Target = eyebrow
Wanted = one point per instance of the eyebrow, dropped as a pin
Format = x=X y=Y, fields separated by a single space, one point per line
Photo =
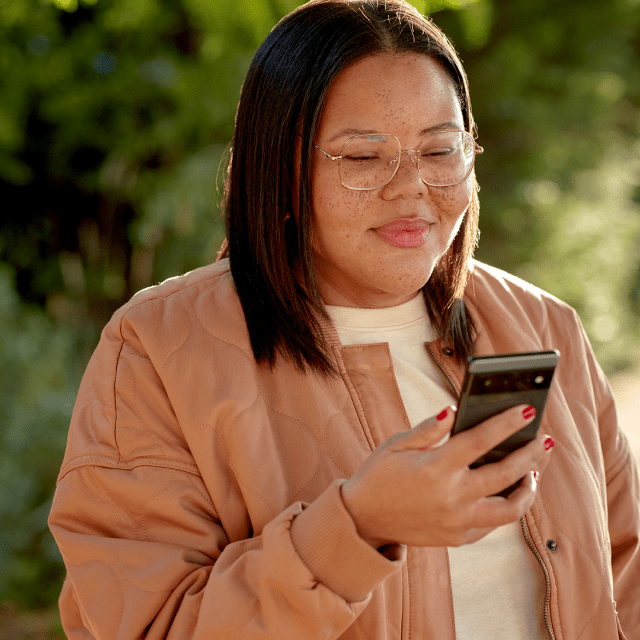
x=443 y=126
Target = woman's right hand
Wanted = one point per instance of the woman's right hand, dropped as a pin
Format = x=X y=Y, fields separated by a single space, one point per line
x=413 y=492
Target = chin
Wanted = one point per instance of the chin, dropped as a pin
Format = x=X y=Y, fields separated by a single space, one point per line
x=414 y=278
x=407 y=287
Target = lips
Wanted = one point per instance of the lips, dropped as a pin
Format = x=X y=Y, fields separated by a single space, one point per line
x=405 y=232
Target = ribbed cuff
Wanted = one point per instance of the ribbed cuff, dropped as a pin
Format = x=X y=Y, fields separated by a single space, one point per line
x=326 y=539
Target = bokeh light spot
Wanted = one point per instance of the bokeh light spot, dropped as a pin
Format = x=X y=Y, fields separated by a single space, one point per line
x=67 y=5
x=604 y=327
x=542 y=193
x=39 y=45
x=212 y=47
x=103 y=63
x=611 y=87
x=159 y=71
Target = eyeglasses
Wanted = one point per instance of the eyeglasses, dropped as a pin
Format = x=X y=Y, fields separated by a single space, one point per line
x=370 y=161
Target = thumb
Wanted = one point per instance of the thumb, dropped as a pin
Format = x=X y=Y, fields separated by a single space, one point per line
x=432 y=431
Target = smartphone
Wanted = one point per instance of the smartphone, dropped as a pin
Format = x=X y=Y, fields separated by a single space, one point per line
x=492 y=384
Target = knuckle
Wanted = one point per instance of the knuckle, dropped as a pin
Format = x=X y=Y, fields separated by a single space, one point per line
x=456 y=521
x=392 y=440
x=450 y=511
x=479 y=443
x=457 y=538
x=518 y=506
x=503 y=472
x=506 y=479
x=511 y=466
x=526 y=501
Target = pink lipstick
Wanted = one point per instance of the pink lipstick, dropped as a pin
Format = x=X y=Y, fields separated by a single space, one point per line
x=405 y=233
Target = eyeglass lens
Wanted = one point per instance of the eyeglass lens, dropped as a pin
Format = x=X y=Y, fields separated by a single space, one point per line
x=370 y=161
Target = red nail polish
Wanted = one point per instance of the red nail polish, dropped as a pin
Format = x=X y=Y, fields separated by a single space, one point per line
x=528 y=412
x=549 y=443
x=443 y=414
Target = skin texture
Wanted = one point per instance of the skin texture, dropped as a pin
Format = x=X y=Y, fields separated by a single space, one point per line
x=402 y=95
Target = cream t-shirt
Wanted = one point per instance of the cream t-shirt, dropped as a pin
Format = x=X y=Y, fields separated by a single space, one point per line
x=497 y=585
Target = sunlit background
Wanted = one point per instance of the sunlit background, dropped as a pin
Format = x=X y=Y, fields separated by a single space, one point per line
x=114 y=116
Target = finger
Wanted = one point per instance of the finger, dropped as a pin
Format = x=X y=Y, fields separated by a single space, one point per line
x=424 y=435
x=493 y=478
x=473 y=443
x=439 y=434
x=523 y=496
x=495 y=511
x=471 y=536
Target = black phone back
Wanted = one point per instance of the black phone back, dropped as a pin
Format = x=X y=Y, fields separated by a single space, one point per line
x=494 y=384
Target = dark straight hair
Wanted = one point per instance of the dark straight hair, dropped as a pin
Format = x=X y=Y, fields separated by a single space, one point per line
x=280 y=105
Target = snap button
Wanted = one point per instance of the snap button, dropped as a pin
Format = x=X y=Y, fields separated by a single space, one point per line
x=448 y=351
x=552 y=545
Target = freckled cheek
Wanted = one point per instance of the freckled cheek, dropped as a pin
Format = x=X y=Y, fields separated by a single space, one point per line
x=343 y=211
x=454 y=201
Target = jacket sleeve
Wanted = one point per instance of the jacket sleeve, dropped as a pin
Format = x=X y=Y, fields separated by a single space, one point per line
x=146 y=552
x=623 y=501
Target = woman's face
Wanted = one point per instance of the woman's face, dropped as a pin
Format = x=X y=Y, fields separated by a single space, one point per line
x=362 y=253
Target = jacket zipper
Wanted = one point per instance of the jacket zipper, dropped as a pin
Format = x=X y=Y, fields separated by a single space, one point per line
x=547 y=595
x=442 y=369
x=523 y=523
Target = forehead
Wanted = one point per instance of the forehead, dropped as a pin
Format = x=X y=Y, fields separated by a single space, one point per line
x=398 y=94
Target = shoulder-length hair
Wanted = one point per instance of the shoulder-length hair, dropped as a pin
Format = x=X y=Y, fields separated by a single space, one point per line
x=280 y=106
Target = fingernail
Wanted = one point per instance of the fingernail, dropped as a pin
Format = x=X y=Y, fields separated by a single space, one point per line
x=443 y=414
x=528 y=412
x=549 y=443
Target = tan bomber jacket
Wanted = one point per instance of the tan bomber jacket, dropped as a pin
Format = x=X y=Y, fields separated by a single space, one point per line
x=200 y=495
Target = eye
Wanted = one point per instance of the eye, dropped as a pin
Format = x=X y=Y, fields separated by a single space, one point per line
x=362 y=156
x=436 y=152
x=366 y=149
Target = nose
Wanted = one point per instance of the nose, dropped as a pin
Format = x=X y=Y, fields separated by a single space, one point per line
x=407 y=181
x=413 y=154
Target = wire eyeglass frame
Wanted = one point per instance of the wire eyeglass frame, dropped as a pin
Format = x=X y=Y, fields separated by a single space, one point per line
x=413 y=154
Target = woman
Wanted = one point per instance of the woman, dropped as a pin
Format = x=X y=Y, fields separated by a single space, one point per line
x=252 y=452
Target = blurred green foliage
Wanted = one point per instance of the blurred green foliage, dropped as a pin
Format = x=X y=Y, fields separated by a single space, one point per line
x=556 y=91
x=114 y=117
x=38 y=382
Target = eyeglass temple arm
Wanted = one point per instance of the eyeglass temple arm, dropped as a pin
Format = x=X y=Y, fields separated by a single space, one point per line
x=326 y=154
